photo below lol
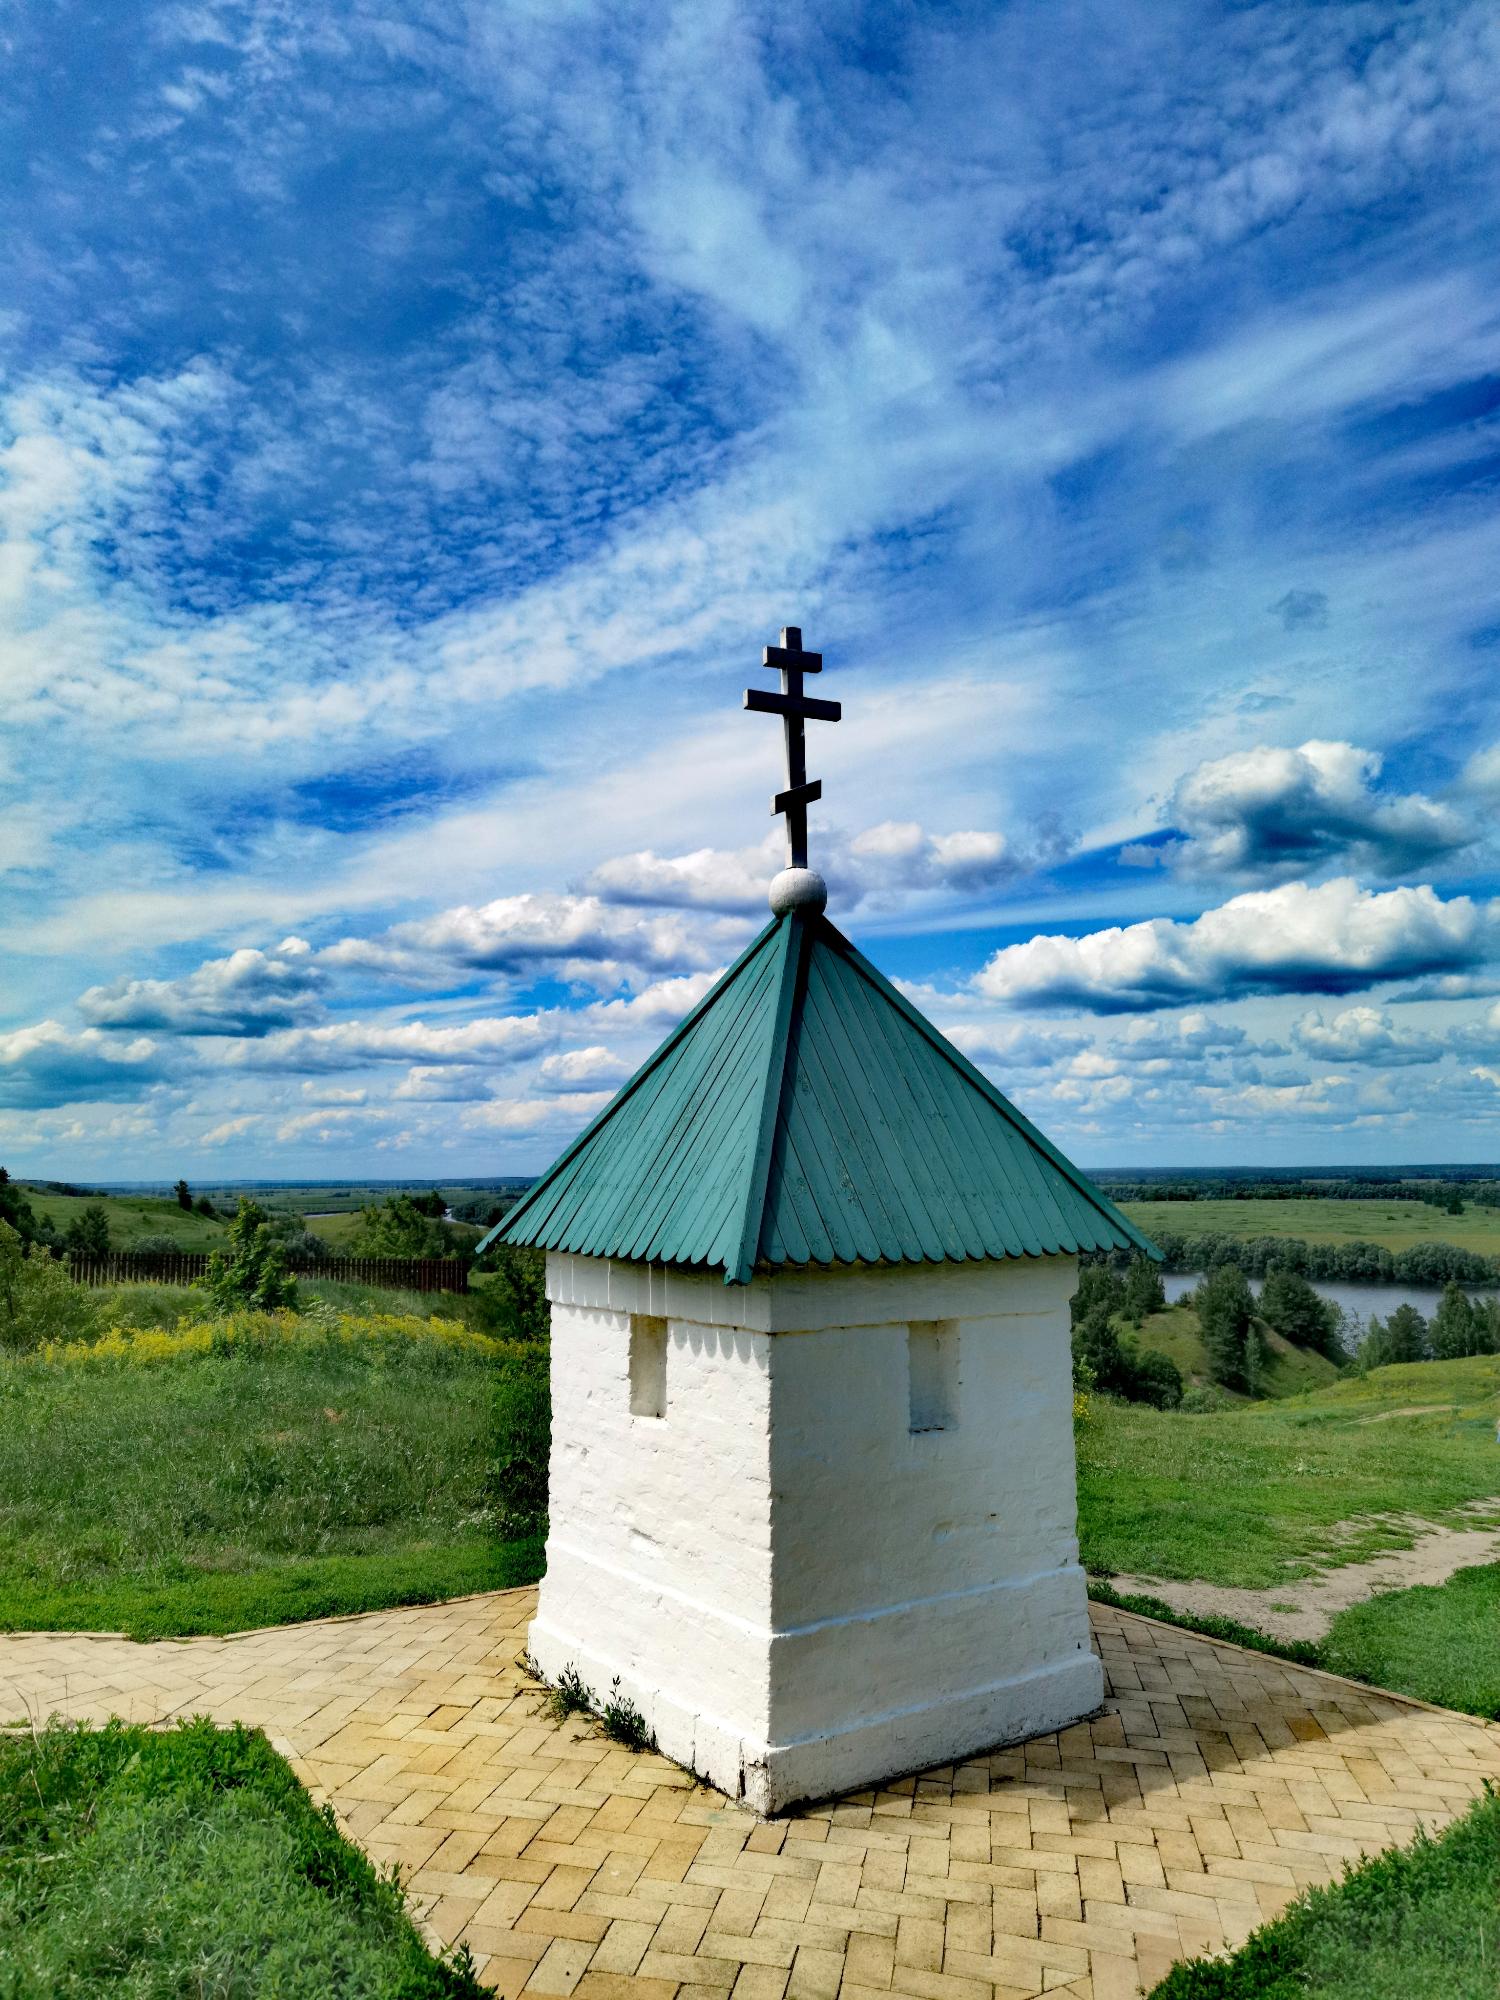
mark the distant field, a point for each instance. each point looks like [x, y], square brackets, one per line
[1288, 1369]
[338, 1232]
[1396, 1224]
[131, 1216]
[348, 1198]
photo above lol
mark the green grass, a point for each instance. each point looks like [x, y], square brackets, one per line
[1253, 1496]
[1439, 1642]
[130, 1218]
[1421, 1923]
[1396, 1224]
[221, 1491]
[190, 1861]
[1288, 1369]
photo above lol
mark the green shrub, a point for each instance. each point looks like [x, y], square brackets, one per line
[523, 1441]
[38, 1298]
[190, 1861]
[512, 1300]
[1203, 1402]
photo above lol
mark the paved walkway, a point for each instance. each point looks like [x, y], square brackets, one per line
[1214, 1786]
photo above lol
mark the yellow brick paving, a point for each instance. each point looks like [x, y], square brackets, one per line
[1215, 1785]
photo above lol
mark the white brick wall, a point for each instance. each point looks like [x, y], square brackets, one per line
[799, 1592]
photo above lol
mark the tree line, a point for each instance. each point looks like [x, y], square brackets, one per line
[1447, 1195]
[1418, 1264]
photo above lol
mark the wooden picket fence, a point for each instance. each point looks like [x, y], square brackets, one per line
[184, 1267]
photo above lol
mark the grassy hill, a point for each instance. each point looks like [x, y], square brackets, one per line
[1288, 1370]
[1268, 1491]
[131, 1216]
[337, 1231]
[1396, 1224]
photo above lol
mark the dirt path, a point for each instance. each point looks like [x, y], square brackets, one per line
[1306, 1609]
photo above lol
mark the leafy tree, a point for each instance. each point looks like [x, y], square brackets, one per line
[1098, 1287]
[16, 1210]
[204, 1206]
[88, 1232]
[184, 1195]
[1402, 1338]
[1225, 1309]
[38, 1299]
[399, 1228]
[434, 1204]
[1144, 1291]
[253, 1273]
[1098, 1360]
[298, 1243]
[513, 1302]
[1154, 1378]
[1115, 1365]
[1453, 1328]
[1290, 1305]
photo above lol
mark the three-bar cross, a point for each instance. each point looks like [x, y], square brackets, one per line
[794, 707]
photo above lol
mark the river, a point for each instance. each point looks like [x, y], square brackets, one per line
[1362, 1301]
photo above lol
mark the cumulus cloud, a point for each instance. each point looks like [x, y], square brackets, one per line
[572, 1070]
[522, 933]
[1012, 1046]
[248, 993]
[894, 859]
[1365, 1034]
[440, 1083]
[660, 1005]
[1271, 814]
[496, 1040]
[522, 1114]
[52, 1064]
[1331, 938]
[711, 878]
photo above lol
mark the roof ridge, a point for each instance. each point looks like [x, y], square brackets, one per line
[739, 1261]
[934, 1036]
[628, 1089]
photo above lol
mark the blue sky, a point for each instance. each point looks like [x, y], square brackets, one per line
[414, 421]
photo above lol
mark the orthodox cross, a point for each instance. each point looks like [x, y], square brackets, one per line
[794, 707]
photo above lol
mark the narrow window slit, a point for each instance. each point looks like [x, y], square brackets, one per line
[648, 1365]
[932, 1374]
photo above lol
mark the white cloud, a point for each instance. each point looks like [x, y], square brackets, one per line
[1365, 1034]
[248, 993]
[587, 1069]
[517, 1114]
[896, 859]
[52, 1064]
[229, 1128]
[1272, 814]
[1331, 938]
[496, 1039]
[518, 933]
[455, 1083]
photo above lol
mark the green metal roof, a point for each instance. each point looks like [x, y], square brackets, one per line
[806, 1113]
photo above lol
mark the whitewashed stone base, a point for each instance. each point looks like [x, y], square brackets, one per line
[801, 1593]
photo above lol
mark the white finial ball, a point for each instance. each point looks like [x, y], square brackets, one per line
[798, 889]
